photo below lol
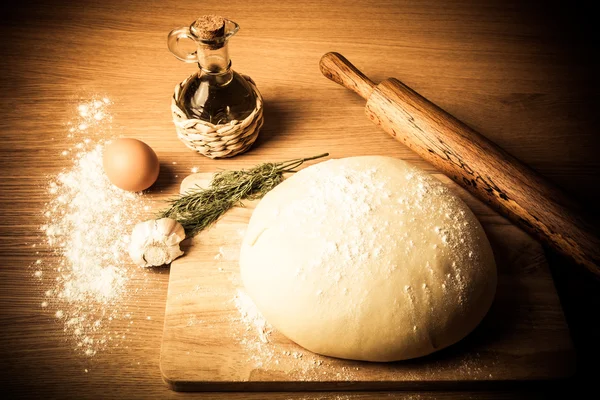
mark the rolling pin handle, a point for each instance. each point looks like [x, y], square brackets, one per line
[335, 67]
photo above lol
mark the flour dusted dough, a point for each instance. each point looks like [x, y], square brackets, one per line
[368, 258]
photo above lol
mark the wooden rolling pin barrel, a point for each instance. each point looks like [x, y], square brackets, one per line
[474, 162]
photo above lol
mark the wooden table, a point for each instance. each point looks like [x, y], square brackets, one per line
[520, 73]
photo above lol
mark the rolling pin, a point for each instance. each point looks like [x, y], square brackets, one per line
[474, 162]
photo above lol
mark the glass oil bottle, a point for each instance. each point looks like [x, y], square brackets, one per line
[215, 98]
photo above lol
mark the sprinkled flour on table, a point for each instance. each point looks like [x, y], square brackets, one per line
[255, 336]
[88, 223]
[252, 317]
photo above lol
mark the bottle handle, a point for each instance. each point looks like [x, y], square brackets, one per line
[173, 43]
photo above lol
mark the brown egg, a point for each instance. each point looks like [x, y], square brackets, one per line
[130, 164]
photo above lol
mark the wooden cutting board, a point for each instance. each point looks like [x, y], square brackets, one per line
[213, 339]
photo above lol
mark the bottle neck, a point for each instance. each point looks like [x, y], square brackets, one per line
[214, 60]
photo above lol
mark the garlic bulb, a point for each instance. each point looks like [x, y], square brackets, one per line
[156, 242]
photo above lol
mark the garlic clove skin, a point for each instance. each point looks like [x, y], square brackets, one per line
[156, 242]
[175, 232]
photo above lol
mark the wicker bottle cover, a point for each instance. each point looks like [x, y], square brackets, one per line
[216, 111]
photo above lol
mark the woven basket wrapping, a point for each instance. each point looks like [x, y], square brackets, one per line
[222, 140]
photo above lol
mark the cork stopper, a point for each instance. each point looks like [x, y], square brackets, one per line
[209, 27]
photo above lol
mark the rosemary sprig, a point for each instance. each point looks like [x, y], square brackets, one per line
[199, 208]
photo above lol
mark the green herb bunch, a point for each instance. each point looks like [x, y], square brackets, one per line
[199, 208]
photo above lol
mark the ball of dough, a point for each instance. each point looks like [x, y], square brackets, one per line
[368, 258]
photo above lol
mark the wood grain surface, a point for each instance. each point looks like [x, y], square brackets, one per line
[522, 73]
[211, 342]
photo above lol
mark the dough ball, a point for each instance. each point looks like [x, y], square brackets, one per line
[368, 258]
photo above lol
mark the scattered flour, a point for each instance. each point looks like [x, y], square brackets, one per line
[88, 223]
